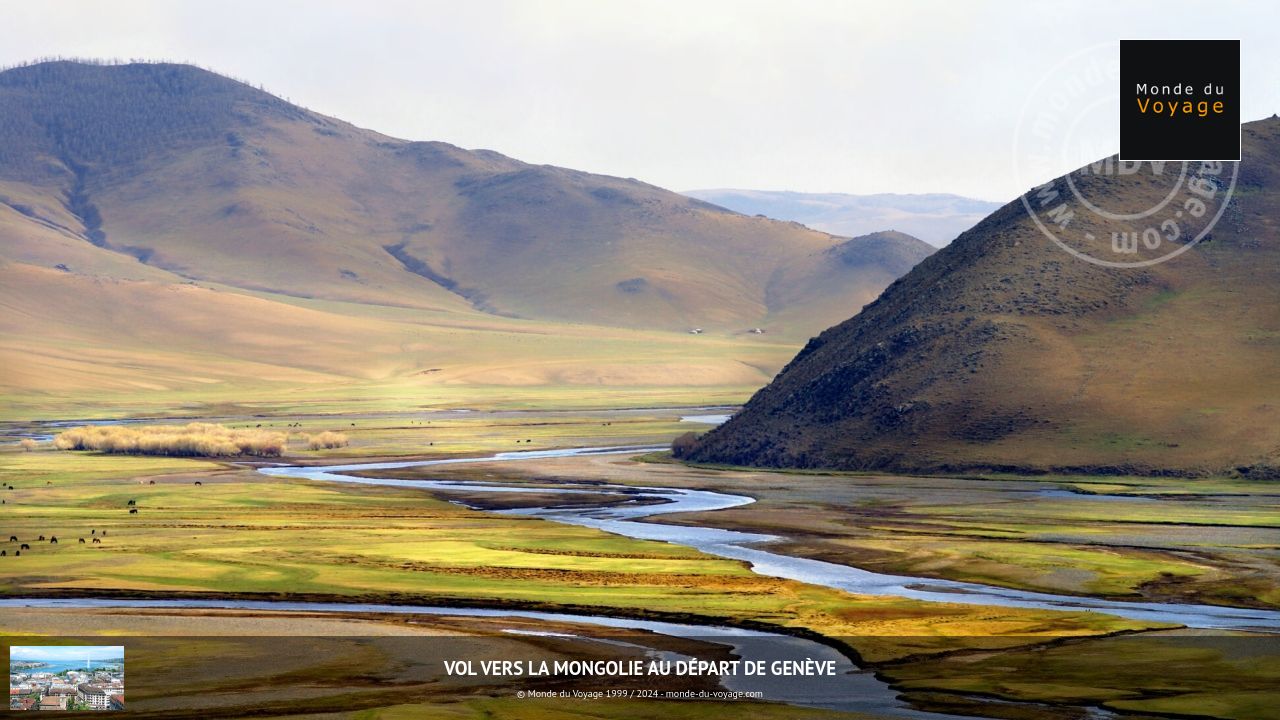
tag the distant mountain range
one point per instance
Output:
(165, 206)
(935, 218)
(1004, 352)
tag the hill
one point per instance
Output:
(1002, 351)
(169, 232)
(205, 178)
(936, 218)
(854, 271)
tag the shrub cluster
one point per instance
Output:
(191, 440)
(326, 441)
(683, 445)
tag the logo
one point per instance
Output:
(1180, 99)
(1113, 212)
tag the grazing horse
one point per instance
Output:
(13, 538)
(151, 482)
(199, 483)
(24, 546)
(3, 553)
(133, 511)
(96, 541)
(53, 540)
(81, 541)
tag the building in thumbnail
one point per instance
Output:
(93, 696)
(60, 689)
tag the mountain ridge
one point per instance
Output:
(167, 232)
(212, 180)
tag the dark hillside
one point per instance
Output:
(1002, 351)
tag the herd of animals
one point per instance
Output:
(53, 539)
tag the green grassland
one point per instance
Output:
(435, 432)
(241, 533)
(1214, 540)
(1179, 674)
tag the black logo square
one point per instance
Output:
(1179, 99)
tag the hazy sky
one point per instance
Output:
(846, 96)
(50, 653)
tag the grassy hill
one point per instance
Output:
(210, 179)
(1004, 352)
(167, 229)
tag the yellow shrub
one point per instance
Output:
(327, 440)
(191, 440)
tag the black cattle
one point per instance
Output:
(3, 553)
(13, 538)
(199, 483)
(93, 532)
(133, 502)
(151, 482)
(81, 541)
(104, 533)
(133, 511)
(41, 538)
(53, 540)
(96, 541)
(24, 546)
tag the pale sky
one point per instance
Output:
(856, 97)
(50, 653)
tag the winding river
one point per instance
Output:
(635, 520)
(852, 689)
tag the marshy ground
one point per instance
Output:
(242, 534)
